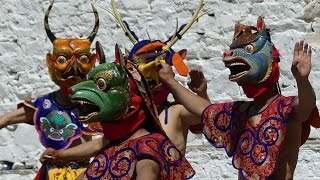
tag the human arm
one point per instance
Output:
(301, 67)
(147, 169)
(198, 85)
(82, 151)
(190, 101)
(21, 115)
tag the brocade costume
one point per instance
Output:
(254, 140)
(57, 126)
(133, 110)
(118, 161)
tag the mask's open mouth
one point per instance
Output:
(238, 68)
(86, 109)
(72, 73)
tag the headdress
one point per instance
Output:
(71, 58)
(253, 59)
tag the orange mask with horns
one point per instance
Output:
(71, 59)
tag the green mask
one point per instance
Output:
(104, 96)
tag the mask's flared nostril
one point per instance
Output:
(227, 54)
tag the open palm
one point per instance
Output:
(198, 82)
(301, 64)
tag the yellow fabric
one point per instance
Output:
(65, 173)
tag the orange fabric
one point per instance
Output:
(178, 63)
(150, 47)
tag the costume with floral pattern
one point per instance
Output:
(57, 125)
(134, 109)
(253, 140)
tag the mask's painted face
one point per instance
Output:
(251, 54)
(147, 56)
(71, 59)
(104, 96)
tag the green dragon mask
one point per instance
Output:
(104, 96)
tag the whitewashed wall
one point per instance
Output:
(23, 72)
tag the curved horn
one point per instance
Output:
(96, 25)
(123, 26)
(185, 29)
(46, 24)
(100, 53)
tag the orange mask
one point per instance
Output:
(71, 59)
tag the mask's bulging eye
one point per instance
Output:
(249, 48)
(101, 83)
(84, 59)
(61, 60)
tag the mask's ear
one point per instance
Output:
(100, 54)
(261, 26)
(119, 61)
(177, 61)
(183, 53)
(49, 59)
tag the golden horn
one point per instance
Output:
(185, 29)
(123, 26)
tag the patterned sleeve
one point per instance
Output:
(32, 103)
(172, 163)
(221, 125)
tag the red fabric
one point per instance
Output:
(65, 91)
(42, 173)
(255, 90)
(253, 141)
(160, 97)
(119, 161)
(196, 129)
(128, 124)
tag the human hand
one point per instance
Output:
(166, 73)
(49, 155)
(301, 64)
(198, 82)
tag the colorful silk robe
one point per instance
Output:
(254, 142)
(119, 161)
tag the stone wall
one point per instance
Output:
(24, 44)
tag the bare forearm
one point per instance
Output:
(15, 117)
(190, 101)
(307, 98)
(83, 151)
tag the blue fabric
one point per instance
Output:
(57, 127)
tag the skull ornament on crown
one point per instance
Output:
(71, 59)
(147, 54)
(252, 59)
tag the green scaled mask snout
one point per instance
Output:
(104, 96)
